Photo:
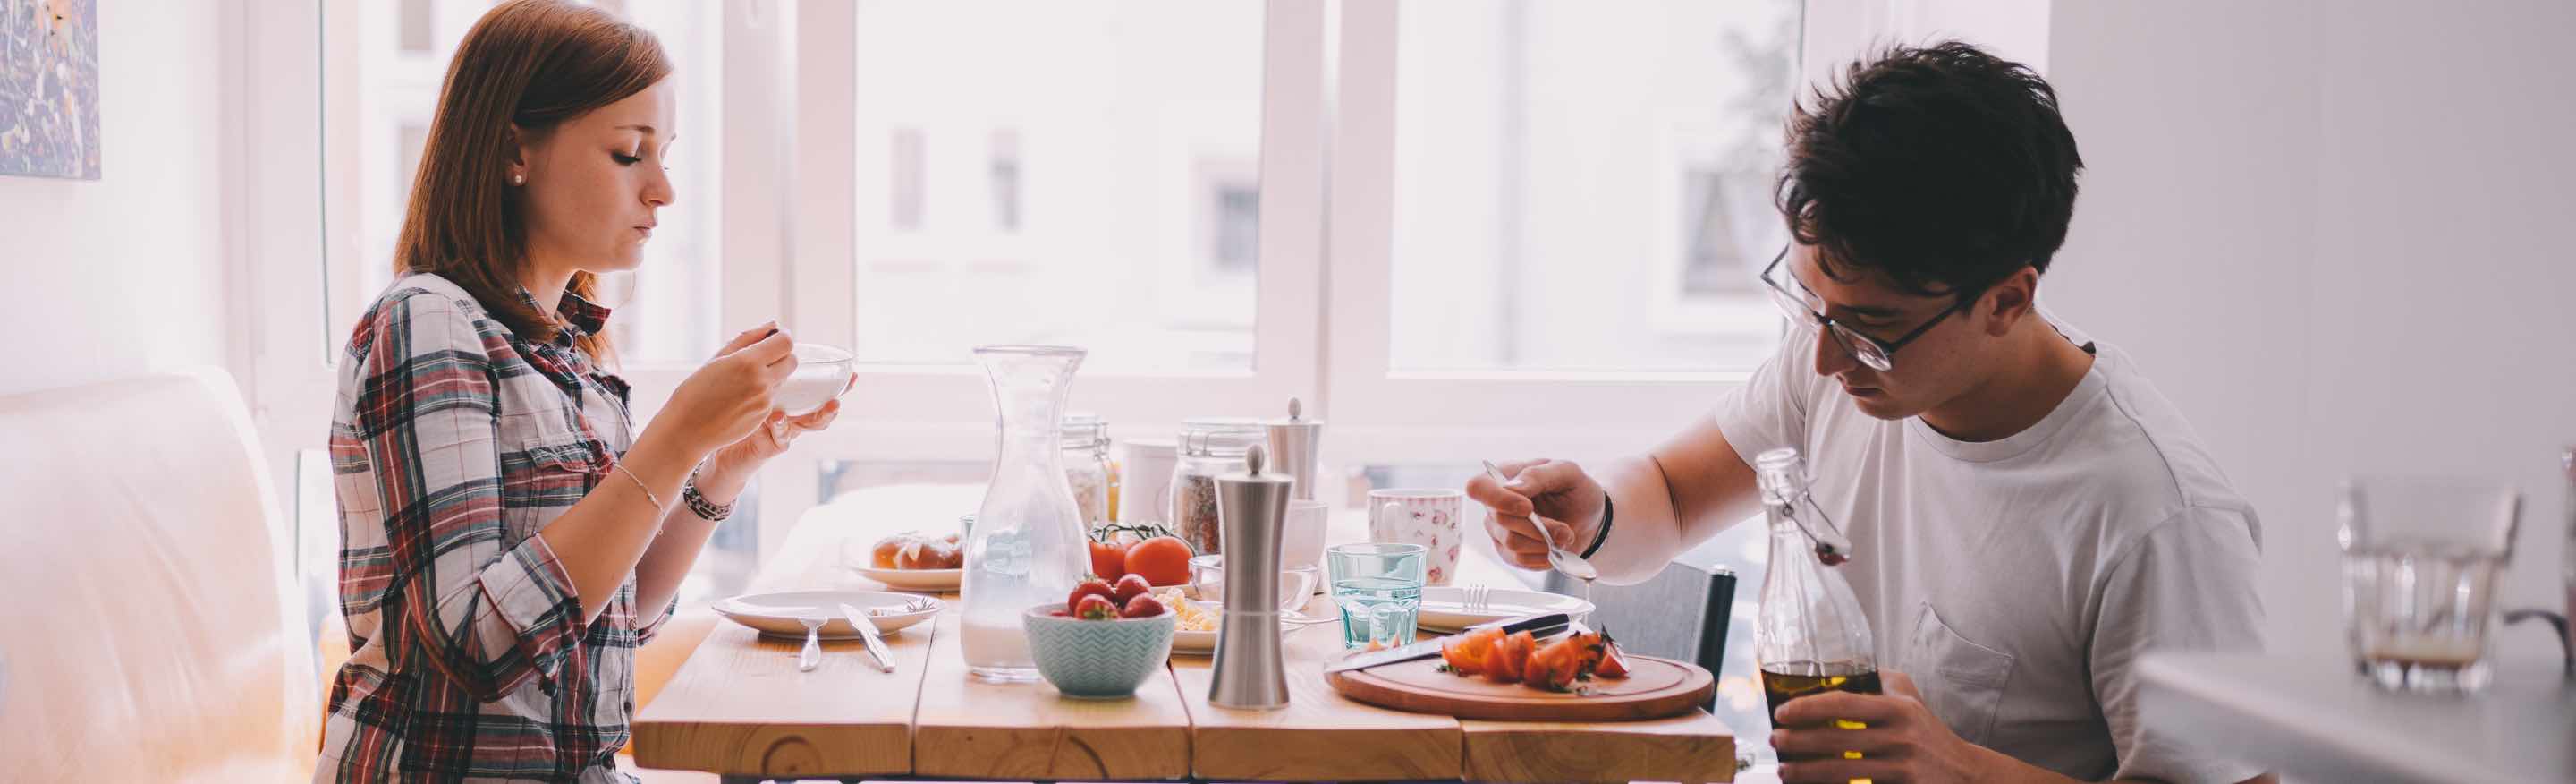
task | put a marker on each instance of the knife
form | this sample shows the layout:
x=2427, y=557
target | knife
x=868, y=634
x=1541, y=625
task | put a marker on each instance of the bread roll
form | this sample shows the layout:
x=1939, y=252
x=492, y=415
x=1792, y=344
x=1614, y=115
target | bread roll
x=929, y=554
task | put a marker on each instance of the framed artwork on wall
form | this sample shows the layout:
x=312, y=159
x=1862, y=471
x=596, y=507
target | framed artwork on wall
x=49, y=88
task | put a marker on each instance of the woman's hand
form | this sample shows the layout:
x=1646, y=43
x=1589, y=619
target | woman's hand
x=729, y=397
x=733, y=465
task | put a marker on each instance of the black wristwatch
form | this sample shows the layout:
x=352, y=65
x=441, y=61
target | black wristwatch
x=1602, y=535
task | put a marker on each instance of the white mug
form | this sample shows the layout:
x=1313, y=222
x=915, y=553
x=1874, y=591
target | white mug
x=1427, y=517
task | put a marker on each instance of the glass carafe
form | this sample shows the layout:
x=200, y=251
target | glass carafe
x=1027, y=546
x=1812, y=636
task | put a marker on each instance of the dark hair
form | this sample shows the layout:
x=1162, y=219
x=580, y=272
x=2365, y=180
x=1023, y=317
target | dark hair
x=1943, y=167
x=536, y=64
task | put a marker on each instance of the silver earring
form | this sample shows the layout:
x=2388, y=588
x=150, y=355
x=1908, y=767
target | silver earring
x=518, y=179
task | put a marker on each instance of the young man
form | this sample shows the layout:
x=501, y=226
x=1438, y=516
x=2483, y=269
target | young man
x=2028, y=515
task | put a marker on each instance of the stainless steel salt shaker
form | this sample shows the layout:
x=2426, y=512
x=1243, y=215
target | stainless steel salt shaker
x=1251, y=507
x=1295, y=443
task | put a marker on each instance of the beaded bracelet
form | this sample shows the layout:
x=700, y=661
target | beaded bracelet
x=699, y=505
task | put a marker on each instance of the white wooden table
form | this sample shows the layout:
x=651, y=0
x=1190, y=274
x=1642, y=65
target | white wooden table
x=738, y=709
x=2317, y=721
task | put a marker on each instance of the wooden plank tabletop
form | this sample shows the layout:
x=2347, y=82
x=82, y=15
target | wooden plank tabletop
x=969, y=729
x=1319, y=736
x=740, y=708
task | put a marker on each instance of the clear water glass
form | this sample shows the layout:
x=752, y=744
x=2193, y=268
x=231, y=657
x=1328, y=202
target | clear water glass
x=2420, y=561
x=1378, y=588
x=1207, y=580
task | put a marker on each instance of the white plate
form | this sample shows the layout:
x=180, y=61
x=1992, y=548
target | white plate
x=1193, y=642
x=1444, y=607
x=777, y=613
x=915, y=579
x=1204, y=643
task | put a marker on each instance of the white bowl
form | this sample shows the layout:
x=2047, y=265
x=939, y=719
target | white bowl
x=822, y=375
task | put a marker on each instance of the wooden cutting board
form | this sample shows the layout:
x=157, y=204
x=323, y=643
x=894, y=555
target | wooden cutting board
x=1655, y=688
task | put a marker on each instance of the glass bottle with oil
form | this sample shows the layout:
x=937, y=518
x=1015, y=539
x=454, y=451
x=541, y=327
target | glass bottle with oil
x=1812, y=636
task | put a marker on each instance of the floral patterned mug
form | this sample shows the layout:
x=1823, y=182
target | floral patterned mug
x=1427, y=517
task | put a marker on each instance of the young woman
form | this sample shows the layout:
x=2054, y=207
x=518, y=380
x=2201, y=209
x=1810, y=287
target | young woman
x=508, y=539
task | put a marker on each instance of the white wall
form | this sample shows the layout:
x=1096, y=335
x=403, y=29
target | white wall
x=2331, y=233
x=126, y=274
x=2327, y=230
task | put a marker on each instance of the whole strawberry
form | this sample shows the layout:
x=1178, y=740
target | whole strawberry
x=1130, y=587
x=1143, y=606
x=1095, y=608
x=1089, y=588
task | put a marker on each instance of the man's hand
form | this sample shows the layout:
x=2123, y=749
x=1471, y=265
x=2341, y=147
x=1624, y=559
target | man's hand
x=1555, y=490
x=1902, y=742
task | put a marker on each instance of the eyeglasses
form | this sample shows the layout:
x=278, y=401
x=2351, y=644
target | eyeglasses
x=1879, y=355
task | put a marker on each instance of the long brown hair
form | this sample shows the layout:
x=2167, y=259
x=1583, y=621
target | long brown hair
x=536, y=64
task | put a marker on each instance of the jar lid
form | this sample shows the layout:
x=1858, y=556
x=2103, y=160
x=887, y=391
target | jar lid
x=1219, y=436
x=1084, y=430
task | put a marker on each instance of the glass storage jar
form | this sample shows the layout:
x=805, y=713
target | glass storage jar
x=1086, y=467
x=1209, y=448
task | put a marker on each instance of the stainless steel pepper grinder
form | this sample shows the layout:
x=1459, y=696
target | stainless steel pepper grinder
x=1296, y=442
x=1250, y=509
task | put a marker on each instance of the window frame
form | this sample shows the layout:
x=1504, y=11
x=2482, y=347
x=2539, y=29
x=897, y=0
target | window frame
x=789, y=188
x=1393, y=415
x=941, y=412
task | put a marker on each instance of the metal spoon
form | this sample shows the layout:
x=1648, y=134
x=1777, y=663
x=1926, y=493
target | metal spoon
x=1572, y=565
x=812, y=655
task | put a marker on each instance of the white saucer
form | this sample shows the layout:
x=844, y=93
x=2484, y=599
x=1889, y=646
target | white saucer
x=1444, y=607
x=777, y=613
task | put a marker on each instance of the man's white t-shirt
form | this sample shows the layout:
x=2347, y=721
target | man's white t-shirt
x=2017, y=581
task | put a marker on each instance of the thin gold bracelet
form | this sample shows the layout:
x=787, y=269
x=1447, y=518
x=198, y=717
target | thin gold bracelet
x=658, y=509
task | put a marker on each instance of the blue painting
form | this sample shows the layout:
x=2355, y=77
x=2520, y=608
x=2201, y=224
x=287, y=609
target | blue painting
x=49, y=88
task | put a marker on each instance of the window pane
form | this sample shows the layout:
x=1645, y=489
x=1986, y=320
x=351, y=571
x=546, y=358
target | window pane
x=1585, y=185
x=388, y=61
x=667, y=309
x=1085, y=174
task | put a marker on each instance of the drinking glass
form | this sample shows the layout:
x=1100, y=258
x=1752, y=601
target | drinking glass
x=1378, y=587
x=2420, y=558
x=1207, y=579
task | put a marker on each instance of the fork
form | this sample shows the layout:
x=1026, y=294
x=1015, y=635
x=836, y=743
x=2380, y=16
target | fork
x=911, y=604
x=812, y=655
x=1478, y=599
x=1564, y=560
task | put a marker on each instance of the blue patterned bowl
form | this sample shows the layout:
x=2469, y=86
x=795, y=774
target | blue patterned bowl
x=1097, y=660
